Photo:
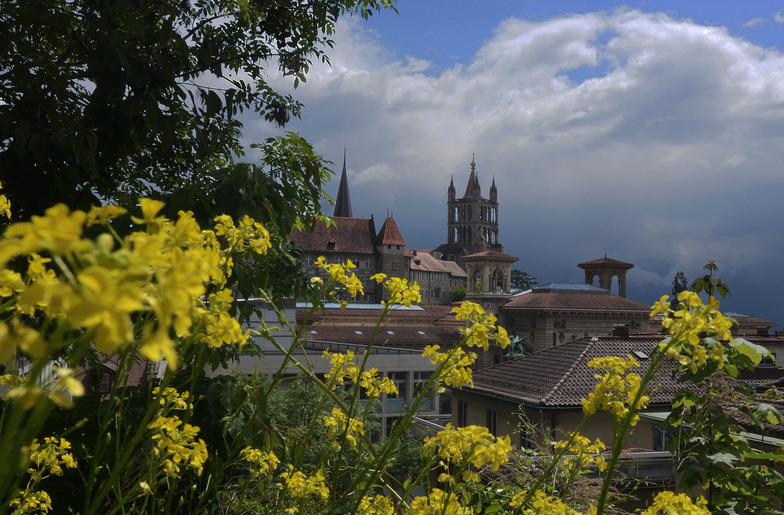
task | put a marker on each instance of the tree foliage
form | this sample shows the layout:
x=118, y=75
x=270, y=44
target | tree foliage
x=523, y=280
x=679, y=284
x=121, y=99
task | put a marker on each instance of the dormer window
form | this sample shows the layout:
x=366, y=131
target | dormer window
x=331, y=245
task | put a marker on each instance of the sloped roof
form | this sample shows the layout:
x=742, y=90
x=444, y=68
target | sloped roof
x=560, y=376
x=605, y=261
x=491, y=255
x=750, y=321
x=390, y=336
x=423, y=261
x=389, y=234
x=347, y=235
x=598, y=299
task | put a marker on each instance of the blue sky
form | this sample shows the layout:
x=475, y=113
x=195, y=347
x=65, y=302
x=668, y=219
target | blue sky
x=649, y=131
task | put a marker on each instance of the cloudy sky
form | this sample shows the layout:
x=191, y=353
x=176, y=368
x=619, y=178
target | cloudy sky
x=650, y=131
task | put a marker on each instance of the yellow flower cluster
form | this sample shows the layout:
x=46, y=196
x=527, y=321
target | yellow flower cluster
x=669, y=502
x=616, y=388
x=339, y=423
x=31, y=502
x=472, y=445
x=247, y=234
x=482, y=326
x=688, y=325
x=178, y=445
x=543, y=504
x=50, y=458
x=581, y=453
x=5, y=205
x=375, y=505
x=301, y=486
x=373, y=385
x=170, y=398
x=400, y=291
x=457, y=364
x=264, y=462
x=339, y=275
x=439, y=503
x=103, y=283
x=343, y=367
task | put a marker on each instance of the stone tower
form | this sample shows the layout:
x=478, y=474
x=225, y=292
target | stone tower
x=472, y=220
x=607, y=269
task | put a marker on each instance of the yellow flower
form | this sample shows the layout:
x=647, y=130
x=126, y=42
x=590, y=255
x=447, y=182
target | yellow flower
x=669, y=502
x=150, y=209
x=32, y=502
x=50, y=457
x=102, y=215
x=375, y=505
x=5, y=205
x=178, y=445
x=470, y=444
x=341, y=424
x=439, y=502
x=301, y=486
x=264, y=462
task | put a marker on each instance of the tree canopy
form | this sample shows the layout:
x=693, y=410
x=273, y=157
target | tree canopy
x=523, y=280
x=114, y=100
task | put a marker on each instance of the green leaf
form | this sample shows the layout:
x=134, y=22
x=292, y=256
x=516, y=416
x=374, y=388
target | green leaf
x=722, y=457
x=751, y=350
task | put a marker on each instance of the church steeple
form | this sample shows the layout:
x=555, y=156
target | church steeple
x=343, y=201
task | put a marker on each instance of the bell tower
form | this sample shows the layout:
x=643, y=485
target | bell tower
x=472, y=220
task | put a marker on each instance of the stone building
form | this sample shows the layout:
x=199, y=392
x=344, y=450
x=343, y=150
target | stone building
x=552, y=314
x=348, y=238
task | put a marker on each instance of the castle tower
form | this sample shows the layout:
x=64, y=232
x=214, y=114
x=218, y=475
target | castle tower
x=472, y=220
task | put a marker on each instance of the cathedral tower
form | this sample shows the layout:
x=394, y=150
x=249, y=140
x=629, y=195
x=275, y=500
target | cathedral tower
x=472, y=220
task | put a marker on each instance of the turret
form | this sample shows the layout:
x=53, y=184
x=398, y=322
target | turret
x=451, y=190
x=493, y=192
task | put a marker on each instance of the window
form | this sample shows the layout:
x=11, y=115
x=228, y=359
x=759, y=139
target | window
x=369, y=263
x=308, y=260
x=106, y=383
x=462, y=414
x=396, y=402
x=420, y=380
x=393, y=266
x=492, y=422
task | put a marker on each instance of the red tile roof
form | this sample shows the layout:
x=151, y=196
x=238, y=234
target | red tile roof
x=346, y=235
x=490, y=255
x=605, y=261
x=574, y=301
x=389, y=234
x=423, y=261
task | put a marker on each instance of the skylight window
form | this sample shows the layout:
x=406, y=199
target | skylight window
x=640, y=354
x=391, y=332
x=421, y=332
x=358, y=332
x=313, y=332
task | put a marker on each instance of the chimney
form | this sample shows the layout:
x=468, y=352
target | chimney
x=621, y=330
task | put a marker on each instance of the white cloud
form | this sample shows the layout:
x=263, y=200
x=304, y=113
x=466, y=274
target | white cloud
x=755, y=22
x=628, y=132
x=779, y=17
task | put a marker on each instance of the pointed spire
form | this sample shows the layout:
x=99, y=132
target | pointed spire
x=472, y=188
x=343, y=201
